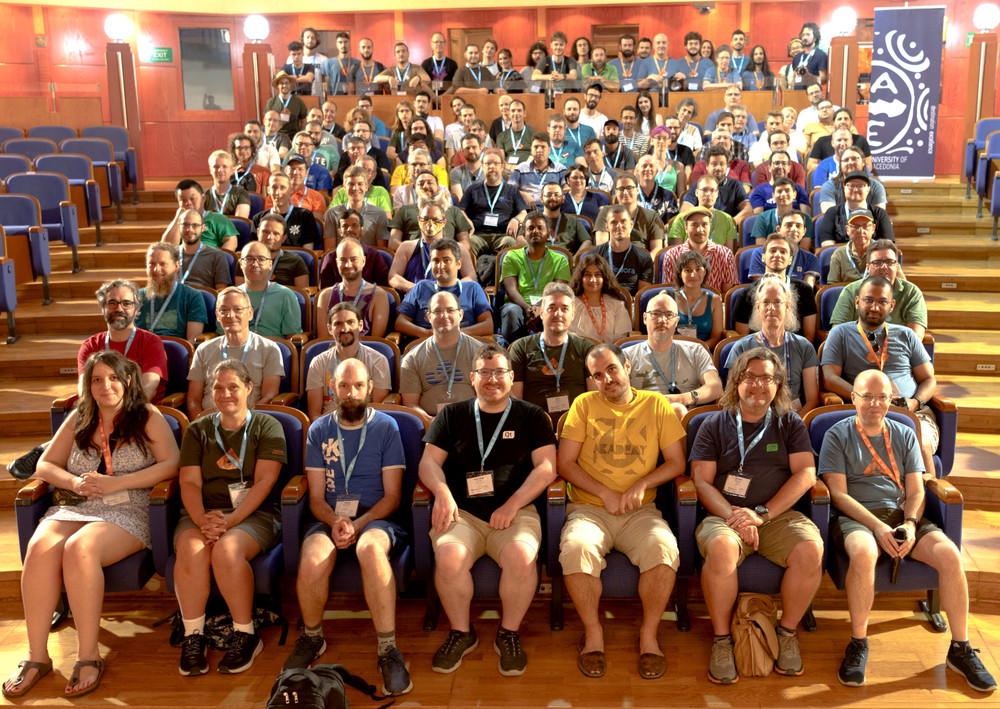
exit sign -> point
(968, 39)
(161, 55)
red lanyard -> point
(885, 347)
(604, 317)
(105, 446)
(891, 470)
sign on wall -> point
(905, 91)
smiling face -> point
(345, 327)
(793, 227)
(106, 388)
(272, 234)
(444, 312)
(494, 384)
(161, 269)
(661, 318)
(234, 312)
(431, 221)
(119, 308)
(698, 227)
(557, 313)
(592, 280)
(757, 386)
(221, 167)
(871, 396)
(230, 393)
(350, 260)
(777, 256)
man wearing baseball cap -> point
(832, 229)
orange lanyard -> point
(760, 81)
(880, 361)
(628, 73)
(368, 79)
(891, 470)
(105, 446)
(604, 317)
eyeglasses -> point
(753, 379)
(226, 312)
(873, 398)
(881, 302)
(428, 220)
(418, 164)
(444, 311)
(191, 227)
(772, 303)
(866, 226)
(661, 315)
(883, 263)
(492, 373)
(255, 260)
(625, 189)
(115, 304)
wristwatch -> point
(762, 512)
(694, 396)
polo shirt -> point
(476, 205)
(731, 196)
(910, 304)
(527, 178)
(471, 298)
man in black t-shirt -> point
(483, 489)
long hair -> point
(130, 421)
(398, 123)
(576, 55)
(528, 61)
(791, 321)
(610, 286)
(651, 116)
(764, 67)
(730, 398)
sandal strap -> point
(80, 664)
(26, 665)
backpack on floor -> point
(755, 641)
(322, 687)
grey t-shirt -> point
(800, 356)
(846, 348)
(207, 270)
(422, 372)
(263, 359)
(321, 370)
(845, 453)
(693, 360)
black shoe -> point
(395, 678)
(965, 660)
(457, 645)
(852, 669)
(24, 467)
(240, 656)
(513, 658)
(307, 650)
(194, 655)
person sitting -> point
(287, 267)
(230, 516)
(693, 380)
(181, 310)
(647, 229)
(772, 220)
(532, 175)
(580, 201)
(602, 312)
(351, 225)
(723, 228)
(850, 261)
(721, 273)
(833, 228)
(412, 261)
(777, 258)
(371, 301)
(797, 261)
(656, 187)
(775, 318)
(110, 450)
(565, 230)
(762, 196)
(299, 224)
(732, 198)
(358, 197)
(823, 147)
(635, 266)
(495, 208)
(828, 166)
(703, 320)
(831, 192)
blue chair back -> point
(256, 204)
(734, 294)
(100, 151)
(117, 136)
(18, 212)
(825, 257)
(386, 257)
(984, 127)
(209, 296)
(745, 257)
(642, 299)
(817, 221)
(296, 428)
(309, 256)
(76, 168)
(827, 302)
(10, 133)
(231, 258)
(724, 348)
(56, 134)
(823, 420)
(815, 201)
(179, 353)
(50, 189)
(289, 357)
(747, 230)
(30, 148)
(13, 164)
(411, 432)
(244, 232)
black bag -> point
(486, 269)
(322, 687)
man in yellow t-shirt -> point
(610, 444)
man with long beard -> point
(168, 306)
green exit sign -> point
(968, 39)
(161, 55)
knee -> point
(517, 558)
(315, 563)
(949, 560)
(722, 554)
(372, 548)
(226, 555)
(452, 559)
(807, 556)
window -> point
(206, 69)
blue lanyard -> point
(303, 199)
(496, 197)
(349, 469)
(788, 349)
(260, 309)
(284, 106)
(597, 184)
(300, 71)
(444, 367)
(193, 259)
(531, 271)
(643, 200)
(220, 205)
(739, 63)
(673, 364)
(243, 445)
(503, 77)
(406, 73)
(690, 311)
(425, 256)
(611, 259)
(555, 233)
(739, 436)
(357, 298)
(576, 138)
(517, 146)
(562, 356)
(478, 77)
(631, 141)
(159, 313)
(246, 348)
(618, 154)
(107, 341)
(439, 70)
(578, 206)
(484, 453)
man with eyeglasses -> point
(439, 67)
(738, 153)
(495, 207)
(820, 127)
(874, 341)
(873, 468)
(412, 260)
(445, 258)
(435, 372)
(732, 197)
(169, 307)
(823, 148)
(723, 228)
(823, 170)
(646, 226)
(317, 174)
(359, 196)
(247, 173)
(760, 150)
(363, 130)
(300, 227)
(611, 441)
(270, 147)
(200, 265)
(405, 223)
(833, 228)
(276, 309)
(484, 487)
(301, 196)
(418, 160)
(697, 222)
(287, 267)
(831, 192)
(779, 140)
(261, 356)
(353, 287)
(799, 225)
(590, 116)
(471, 169)
(751, 462)
(530, 176)
(679, 369)
(217, 230)
(781, 257)
(632, 267)
(565, 230)
(762, 196)
(466, 117)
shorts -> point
(777, 538)
(591, 532)
(478, 537)
(929, 431)
(398, 536)
(893, 516)
(264, 527)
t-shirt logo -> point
(508, 435)
(224, 463)
(772, 447)
(331, 451)
(439, 375)
(624, 454)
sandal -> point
(74, 678)
(41, 668)
(591, 664)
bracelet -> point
(916, 522)
(920, 404)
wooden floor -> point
(906, 666)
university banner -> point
(905, 91)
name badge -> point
(798, 79)
(513, 160)
(286, 116)
(692, 86)
(116, 498)
(535, 89)
(237, 493)
(736, 485)
(401, 93)
(479, 483)
(557, 92)
(628, 86)
(557, 403)
(687, 330)
(491, 219)
(347, 506)
(437, 85)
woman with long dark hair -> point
(602, 313)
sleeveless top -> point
(703, 322)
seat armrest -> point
(945, 491)
(286, 399)
(421, 496)
(295, 490)
(819, 494)
(299, 338)
(831, 399)
(392, 399)
(163, 491)
(31, 493)
(393, 337)
(556, 493)
(943, 404)
(175, 400)
(204, 337)
(687, 496)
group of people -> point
(546, 201)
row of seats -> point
(980, 153)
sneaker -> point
(722, 666)
(239, 657)
(24, 467)
(513, 658)
(395, 679)
(457, 645)
(307, 650)
(965, 660)
(789, 660)
(194, 655)
(852, 669)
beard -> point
(118, 320)
(352, 410)
(159, 289)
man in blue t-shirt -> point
(811, 64)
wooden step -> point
(977, 470)
(962, 310)
(39, 356)
(25, 404)
(138, 231)
(953, 275)
(939, 188)
(126, 255)
(960, 247)
(941, 225)
(976, 398)
(66, 285)
(970, 352)
(78, 316)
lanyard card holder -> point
(479, 483)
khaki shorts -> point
(842, 525)
(479, 538)
(929, 431)
(591, 532)
(777, 538)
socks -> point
(863, 641)
(782, 630)
(195, 625)
(314, 632)
(959, 646)
(386, 642)
(502, 632)
(717, 638)
(244, 628)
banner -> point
(905, 91)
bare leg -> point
(863, 551)
(231, 557)
(585, 590)
(518, 581)
(935, 549)
(379, 583)
(453, 577)
(719, 582)
(319, 555)
(192, 573)
(655, 586)
(799, 584)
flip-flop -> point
(652, 666)
(591, 664)
(41, 668)
(75, 677)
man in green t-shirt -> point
(219, 231)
